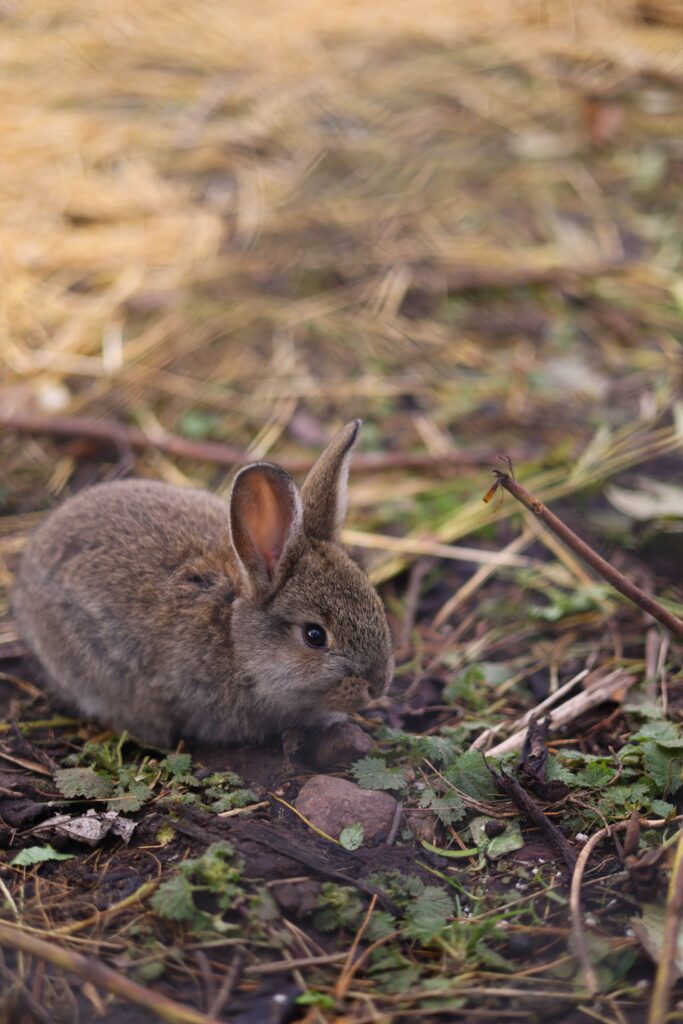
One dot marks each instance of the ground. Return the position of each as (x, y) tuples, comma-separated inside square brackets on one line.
[(232, 228)]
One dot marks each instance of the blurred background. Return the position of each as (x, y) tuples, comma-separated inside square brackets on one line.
[(247, 222)]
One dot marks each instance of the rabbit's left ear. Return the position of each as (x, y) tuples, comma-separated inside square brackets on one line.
[(265, 524), (323, 494)]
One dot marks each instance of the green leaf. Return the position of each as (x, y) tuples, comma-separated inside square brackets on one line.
[(498, 846), (313, 998), (372, 773), (662, 808), (83, 782), (429, 913), (666, 733), (238, 798), (470, 774), (177, 765), (174, 899), (131, 798), (448, 808), (351, 837), (38, 855), (662, 767)]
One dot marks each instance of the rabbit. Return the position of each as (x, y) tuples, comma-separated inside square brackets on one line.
[(169, 613)]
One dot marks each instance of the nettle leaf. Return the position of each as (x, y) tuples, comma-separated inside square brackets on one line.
[(177, 765), (174, 899), (581, 771), (662, 808), (238, 798), (130, 798), (428, 914), (38, 855), (373, 773), (664, 732), (470, 774), (448, 808), (663, 767), (351, 837), (438, 749), (83, 782), (619, 801)]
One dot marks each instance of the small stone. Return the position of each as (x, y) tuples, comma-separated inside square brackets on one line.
[(332, 804), (494, 828)]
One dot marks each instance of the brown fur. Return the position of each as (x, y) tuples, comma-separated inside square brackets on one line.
[(163, 611)]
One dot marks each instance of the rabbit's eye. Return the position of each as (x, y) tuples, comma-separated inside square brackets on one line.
[(315, 636)]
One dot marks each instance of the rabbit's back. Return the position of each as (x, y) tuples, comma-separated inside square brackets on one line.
[(116, 587)]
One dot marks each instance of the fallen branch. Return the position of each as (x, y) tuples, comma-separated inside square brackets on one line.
[(103, 977), (125, 438), (591, 557)]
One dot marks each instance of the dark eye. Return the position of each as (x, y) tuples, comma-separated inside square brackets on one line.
[(315, 636)]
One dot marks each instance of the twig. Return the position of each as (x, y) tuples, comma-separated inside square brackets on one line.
[(666, 968), (104, 977), (346, 975), (395, 822), (521, 723), (578, 938), (598, 693), (229, 982), (120, 435), (140, 893), (526, 803), (601, 566)]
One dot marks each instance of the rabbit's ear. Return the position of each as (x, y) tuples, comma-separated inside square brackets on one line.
[(265, 523), (324, 491)]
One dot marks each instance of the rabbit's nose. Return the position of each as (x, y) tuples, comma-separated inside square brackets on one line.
[(349, 695)]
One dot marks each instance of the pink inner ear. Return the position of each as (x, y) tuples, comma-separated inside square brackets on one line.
[(269, 523)]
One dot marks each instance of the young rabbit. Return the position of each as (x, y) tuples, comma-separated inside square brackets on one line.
[(166, 612)]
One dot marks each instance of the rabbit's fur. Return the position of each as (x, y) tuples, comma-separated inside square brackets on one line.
[(167, 612)]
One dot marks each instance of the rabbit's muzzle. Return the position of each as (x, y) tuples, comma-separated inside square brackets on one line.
[(349, 695)]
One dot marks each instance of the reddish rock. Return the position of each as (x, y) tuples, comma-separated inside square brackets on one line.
[(331, 804)]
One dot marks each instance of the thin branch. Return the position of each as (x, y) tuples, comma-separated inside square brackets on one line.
[(104, 977), (599, 690), (578, 937), (601, 566), (666, 968), (121, 436)]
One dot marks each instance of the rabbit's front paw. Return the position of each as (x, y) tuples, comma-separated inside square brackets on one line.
[(337, 745)]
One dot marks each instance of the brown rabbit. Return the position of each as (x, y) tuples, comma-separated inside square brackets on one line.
[(166, 612)]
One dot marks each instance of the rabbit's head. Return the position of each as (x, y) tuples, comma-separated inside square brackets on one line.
[(309, 632)]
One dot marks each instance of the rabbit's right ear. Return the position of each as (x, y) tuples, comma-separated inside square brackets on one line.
[(265, 524)]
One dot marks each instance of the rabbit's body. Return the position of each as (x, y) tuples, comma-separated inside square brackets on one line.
[(166, 612)]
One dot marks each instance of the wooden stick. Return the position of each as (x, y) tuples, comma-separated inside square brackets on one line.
[(601, 566), (122, 436), (103, 977), (666, 968)]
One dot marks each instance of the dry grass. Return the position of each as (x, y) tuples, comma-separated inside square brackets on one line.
[(459, 220)]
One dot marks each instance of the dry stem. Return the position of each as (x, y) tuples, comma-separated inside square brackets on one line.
[(101, 976), (601, 566)]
